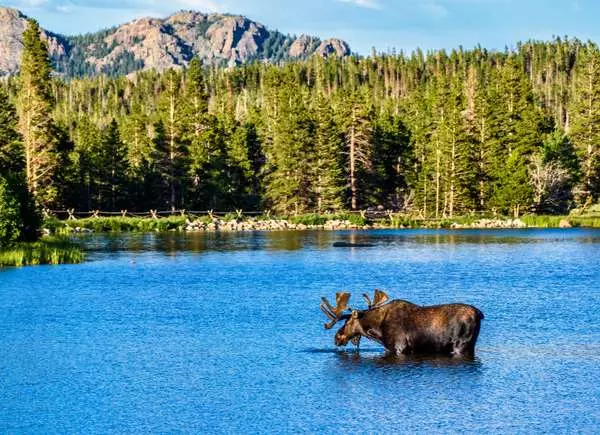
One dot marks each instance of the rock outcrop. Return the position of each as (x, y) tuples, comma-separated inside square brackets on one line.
[(12, 25), (304, 46), (157, 43), (333, 47)]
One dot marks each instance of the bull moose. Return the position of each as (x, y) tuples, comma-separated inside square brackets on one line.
[(405, 328)]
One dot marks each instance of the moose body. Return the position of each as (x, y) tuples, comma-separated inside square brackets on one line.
[(405, 328)]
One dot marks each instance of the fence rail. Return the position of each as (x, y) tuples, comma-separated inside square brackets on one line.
[(72, 214)]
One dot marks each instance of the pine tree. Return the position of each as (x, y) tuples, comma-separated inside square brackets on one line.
[(357, 122), (328, 183), (478, 130), (113, 176), (421, 124), (10, 216), (457, 151), (291, 157), (392, 162), (514, 193), (584, 128), (35, 115), (517, 129), (173, 163), (86, 164), (19, 219), (11, 154)]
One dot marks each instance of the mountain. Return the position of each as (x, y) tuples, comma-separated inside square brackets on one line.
[(162, 43)]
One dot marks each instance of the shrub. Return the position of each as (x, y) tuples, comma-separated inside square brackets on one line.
[(309, 219), (356, 219), (10, 215)]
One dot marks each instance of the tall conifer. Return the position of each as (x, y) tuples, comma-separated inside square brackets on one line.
[(35, 115)]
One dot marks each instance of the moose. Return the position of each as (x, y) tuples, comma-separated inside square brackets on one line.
[(405, 328)]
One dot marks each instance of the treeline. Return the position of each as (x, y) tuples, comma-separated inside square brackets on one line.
[(435, 134)]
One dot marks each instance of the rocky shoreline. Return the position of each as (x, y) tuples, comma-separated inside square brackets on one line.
[(268, 225), (491, 224), (333, 225)]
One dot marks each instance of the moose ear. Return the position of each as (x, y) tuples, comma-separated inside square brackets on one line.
[(380, 297), (355, 314)]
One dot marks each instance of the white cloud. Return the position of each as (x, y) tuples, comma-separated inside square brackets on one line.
[(369, 4)]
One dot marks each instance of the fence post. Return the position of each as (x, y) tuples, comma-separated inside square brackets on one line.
[(71, 214), (96, 213), (240, 213), (123, 213), (153, 214)]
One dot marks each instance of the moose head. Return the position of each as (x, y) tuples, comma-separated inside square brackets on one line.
[(352, 329)]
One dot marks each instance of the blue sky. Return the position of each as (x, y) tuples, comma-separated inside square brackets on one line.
[(383, 24)]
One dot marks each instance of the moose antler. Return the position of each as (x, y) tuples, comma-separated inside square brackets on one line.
[(379, 298), (335, 313)]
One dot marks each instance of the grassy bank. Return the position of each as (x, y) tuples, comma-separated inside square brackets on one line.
[(119, 224), (539, 221), (179, 223), (116, 225), (48, 251)]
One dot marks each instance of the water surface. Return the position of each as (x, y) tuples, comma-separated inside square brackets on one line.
[(223, 334)]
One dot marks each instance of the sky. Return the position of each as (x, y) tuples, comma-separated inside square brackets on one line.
[(365, 24)]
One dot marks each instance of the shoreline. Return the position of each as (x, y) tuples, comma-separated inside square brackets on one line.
[(305, 223)]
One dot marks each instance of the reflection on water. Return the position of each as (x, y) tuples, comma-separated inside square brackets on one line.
[(221, 333), (365, 357), (323, 240)]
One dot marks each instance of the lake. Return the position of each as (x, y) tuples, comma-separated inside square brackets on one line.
[(222, 333)]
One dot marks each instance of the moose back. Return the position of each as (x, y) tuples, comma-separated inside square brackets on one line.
[(405, 328)]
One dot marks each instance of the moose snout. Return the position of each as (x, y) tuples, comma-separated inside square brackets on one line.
[(340, 339)]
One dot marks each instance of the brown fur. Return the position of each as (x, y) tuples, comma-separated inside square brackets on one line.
[(404, 328)]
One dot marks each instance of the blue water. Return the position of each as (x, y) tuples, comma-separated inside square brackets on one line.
[(223, 334)]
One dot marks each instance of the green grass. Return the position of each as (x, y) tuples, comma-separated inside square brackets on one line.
[(308, 219), (587, 222), (117, 224), (543, 221), (50, 251), (315, 219), (407, 221)]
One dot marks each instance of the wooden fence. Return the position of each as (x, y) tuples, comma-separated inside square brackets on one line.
[(72, 214)]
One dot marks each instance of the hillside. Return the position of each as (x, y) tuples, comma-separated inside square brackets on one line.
[(162, 43)]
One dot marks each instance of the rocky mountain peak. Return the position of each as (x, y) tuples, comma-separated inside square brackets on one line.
[(162, 43), (333, 47)]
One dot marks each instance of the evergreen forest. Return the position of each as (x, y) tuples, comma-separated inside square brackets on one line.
[(436, 134)]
